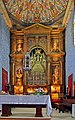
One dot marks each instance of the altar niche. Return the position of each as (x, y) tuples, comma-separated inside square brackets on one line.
[(37, 75), (43, 49)]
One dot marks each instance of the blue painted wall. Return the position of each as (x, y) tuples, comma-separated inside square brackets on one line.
[(70, 48), (4, 48)]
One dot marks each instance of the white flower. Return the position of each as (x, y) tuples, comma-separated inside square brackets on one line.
[(39, 90)]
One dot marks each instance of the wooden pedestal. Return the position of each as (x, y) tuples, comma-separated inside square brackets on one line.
[(38, 111), (6, 110)]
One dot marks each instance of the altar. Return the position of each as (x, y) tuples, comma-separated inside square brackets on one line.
[(37, 101)]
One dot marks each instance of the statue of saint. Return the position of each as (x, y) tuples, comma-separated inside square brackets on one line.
[(55, 47), (19, 48), (19, 73), (56, 75)]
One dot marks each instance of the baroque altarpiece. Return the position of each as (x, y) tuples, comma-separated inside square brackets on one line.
[(37, 60)]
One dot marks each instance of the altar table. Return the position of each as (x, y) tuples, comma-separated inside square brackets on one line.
[(9, 101)]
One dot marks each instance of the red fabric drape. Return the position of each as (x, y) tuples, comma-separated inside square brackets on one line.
[(70, 85), (4, 79)]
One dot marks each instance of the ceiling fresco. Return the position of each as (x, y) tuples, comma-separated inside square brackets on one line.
[(32, 11)]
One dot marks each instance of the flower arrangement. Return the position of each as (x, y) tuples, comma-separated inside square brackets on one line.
[(39, 91)]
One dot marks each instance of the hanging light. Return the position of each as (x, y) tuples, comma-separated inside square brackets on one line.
[(26, 62)]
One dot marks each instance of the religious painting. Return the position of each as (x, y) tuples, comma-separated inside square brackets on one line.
[(56, 74)]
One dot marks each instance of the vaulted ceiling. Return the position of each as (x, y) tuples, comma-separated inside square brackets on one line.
[(32, 11)]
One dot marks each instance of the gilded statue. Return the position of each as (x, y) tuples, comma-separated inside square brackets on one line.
[(19, 73), (19, 48), (56, 75), (55, 47)]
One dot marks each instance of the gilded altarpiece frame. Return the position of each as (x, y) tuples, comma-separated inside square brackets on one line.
[(37, 37)]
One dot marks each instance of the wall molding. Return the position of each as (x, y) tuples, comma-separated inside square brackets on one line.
[(5, 14), (68, 12)]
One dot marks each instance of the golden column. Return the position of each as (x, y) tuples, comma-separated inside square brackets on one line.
[(12, 59), (25, 50), (48, 59), (12, 71)]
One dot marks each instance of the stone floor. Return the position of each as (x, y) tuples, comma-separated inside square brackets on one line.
[(30, 112), (61, 116)]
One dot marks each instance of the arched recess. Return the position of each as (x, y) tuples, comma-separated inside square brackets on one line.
[(37, 75)]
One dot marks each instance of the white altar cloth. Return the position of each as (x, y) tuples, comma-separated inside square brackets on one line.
[(28, 99)]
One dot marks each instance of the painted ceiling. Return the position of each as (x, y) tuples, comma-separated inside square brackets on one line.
[(32, 11)]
